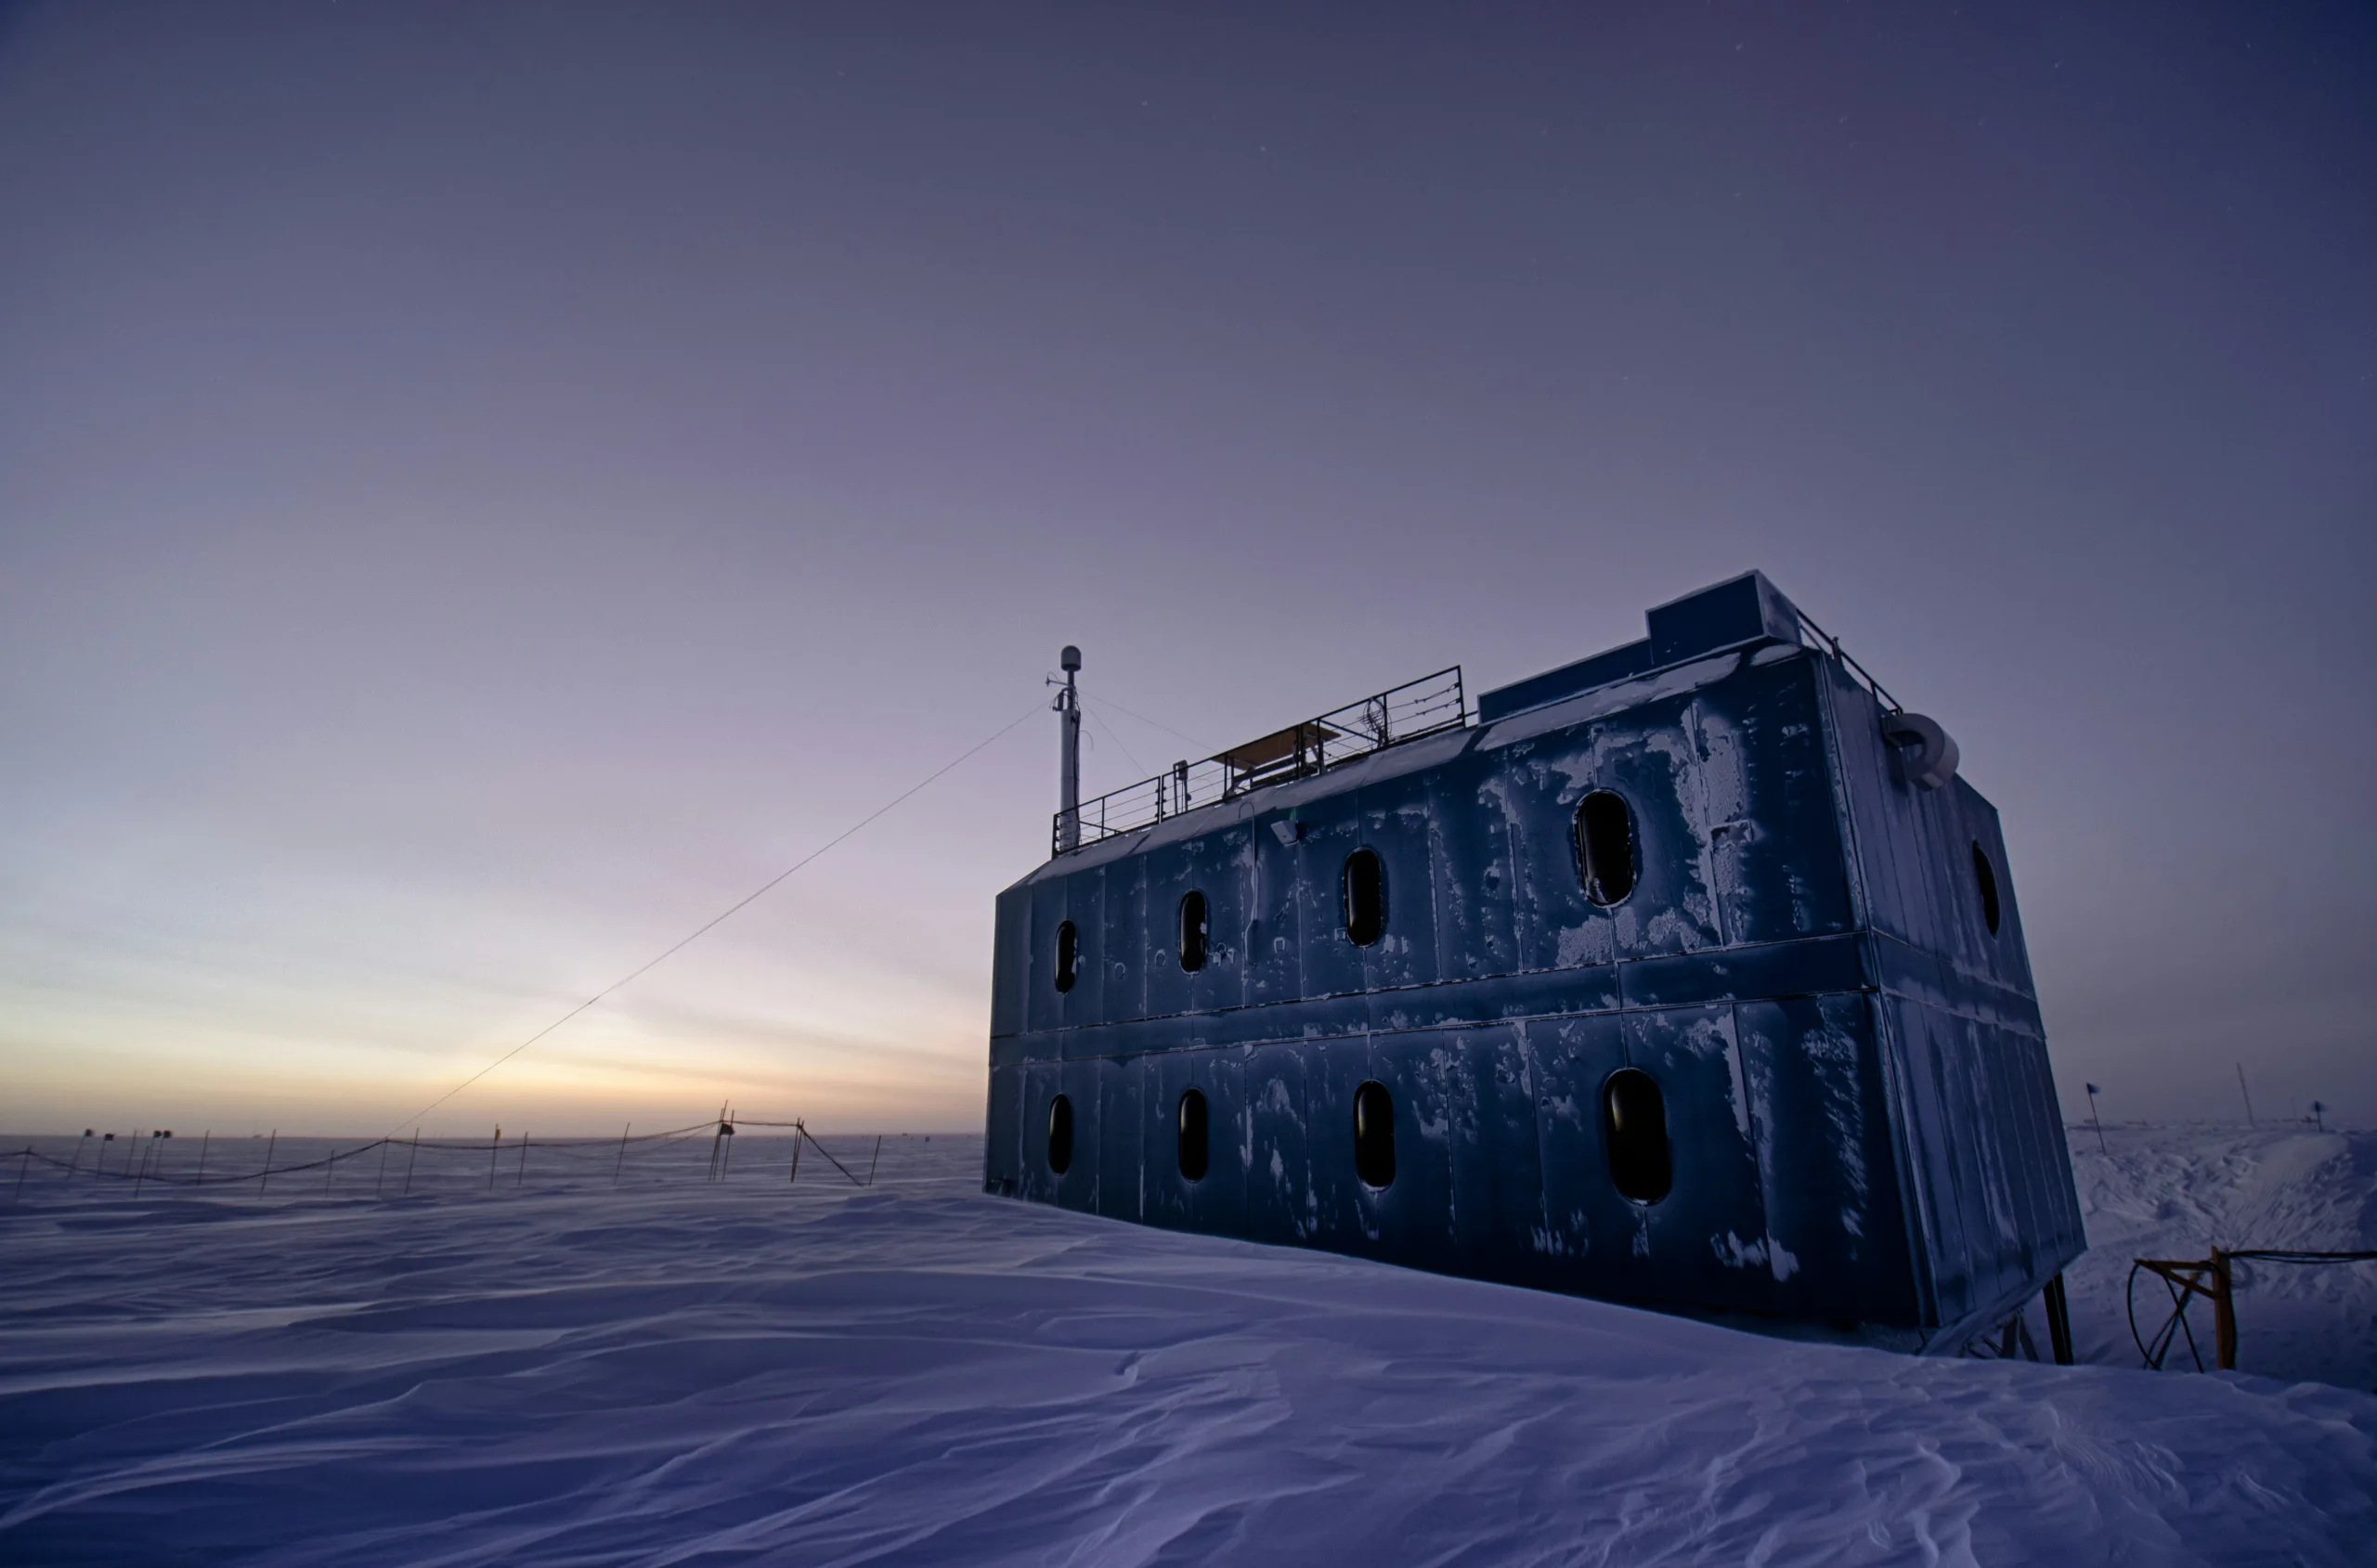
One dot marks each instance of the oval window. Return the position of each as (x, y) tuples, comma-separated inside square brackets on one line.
[(1060, 1134), (1606, 845), (1634, 1129), (1192, 931), (1192, 1135), (1374, 1134), (1365, 891), (1986, 875), (1068, 956)]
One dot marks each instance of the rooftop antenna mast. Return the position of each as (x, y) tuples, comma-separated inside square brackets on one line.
[(1068, 707)]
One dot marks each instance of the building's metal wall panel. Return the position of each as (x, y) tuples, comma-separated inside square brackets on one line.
[(1280, 1203), (1995, 1206), (1708, 1235), (1010, 962), (1123, 949), (1819, 1113), (1411, 1220), (1003, 1129), (1478, 874), (1497, 1154), (1591, 1232), (1121, 1153)]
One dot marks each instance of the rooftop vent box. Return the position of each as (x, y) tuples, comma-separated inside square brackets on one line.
[(1747, 609)]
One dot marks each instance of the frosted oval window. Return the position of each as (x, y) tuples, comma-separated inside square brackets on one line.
[(1634, 1129), (1986, 876), (1192, 1135), (1192, 931), (1374, 1134), (1365, 898), (1606, 845), (1060, 1134), (1068, 956)]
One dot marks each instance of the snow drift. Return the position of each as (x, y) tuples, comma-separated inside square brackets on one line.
[(681, 1372)]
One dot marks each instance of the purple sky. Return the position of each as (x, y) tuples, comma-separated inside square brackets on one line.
[(483, 486)]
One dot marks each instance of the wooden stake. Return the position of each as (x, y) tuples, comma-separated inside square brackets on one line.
[(266, 1174), (622, 1164)]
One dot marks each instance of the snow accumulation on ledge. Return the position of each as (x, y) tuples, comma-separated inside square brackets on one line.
[(682, 1372)]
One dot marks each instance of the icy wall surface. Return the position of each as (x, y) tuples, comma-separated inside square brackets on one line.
[(559, 1372)]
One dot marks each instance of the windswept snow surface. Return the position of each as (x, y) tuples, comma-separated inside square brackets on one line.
[(555, 1371)]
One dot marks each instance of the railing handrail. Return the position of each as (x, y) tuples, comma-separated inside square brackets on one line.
[(1426, 706), (1832, 645)]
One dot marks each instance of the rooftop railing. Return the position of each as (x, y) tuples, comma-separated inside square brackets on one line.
[(1831, 644), (1404, 713)]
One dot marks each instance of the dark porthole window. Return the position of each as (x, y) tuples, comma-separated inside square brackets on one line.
[(1192, 1135), (1986, 875), (1068, 956), (1192, 931), (1606, 845), (1060, 1134), (1634, 1128), (1374, 1134), (1365, 898)]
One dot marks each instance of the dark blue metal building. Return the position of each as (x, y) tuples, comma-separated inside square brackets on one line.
[(1690, 974)]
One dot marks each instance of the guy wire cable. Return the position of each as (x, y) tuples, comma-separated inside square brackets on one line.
[(719, 919), (1108, 730)]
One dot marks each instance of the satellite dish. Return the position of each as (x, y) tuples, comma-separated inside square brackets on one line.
[(1926, 754)]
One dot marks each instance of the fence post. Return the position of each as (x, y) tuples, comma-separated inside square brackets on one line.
[(199, 1180), (266, 1174), (523, 1176), (799, 1132), (877, 1160), (493, 1147), (623, 1155), (2224, 1314), (410, 1158)]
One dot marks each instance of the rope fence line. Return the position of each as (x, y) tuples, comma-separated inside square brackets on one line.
[(150, 1161), (582, 1153)]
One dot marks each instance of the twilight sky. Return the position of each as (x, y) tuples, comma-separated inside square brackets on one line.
[(482, 487)]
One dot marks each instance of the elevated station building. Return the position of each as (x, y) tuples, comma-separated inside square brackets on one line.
[(1690, 975)]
